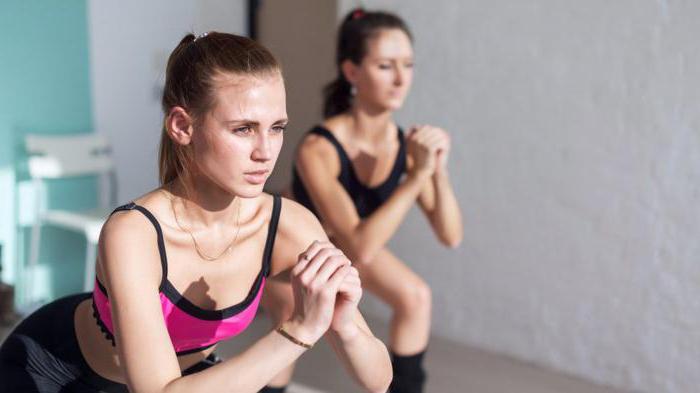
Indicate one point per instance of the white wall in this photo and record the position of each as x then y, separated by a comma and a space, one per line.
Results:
576, 158
300, 34
129, 45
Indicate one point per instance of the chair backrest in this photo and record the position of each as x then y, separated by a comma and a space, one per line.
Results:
57, 156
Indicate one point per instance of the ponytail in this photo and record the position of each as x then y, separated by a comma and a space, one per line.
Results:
337, 97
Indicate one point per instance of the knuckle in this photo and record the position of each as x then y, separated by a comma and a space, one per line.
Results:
337, 258
314, 286
322, 255
324, 294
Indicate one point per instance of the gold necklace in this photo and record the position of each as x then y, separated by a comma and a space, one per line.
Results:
194, 240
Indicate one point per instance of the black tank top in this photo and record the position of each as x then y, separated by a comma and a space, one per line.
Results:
366, 199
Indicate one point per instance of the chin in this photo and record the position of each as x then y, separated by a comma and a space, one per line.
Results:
249, 190
390, 107
393, 104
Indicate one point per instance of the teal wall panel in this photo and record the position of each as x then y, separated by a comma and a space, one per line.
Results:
45, 89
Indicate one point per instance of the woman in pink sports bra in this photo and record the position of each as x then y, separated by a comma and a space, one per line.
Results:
184, 267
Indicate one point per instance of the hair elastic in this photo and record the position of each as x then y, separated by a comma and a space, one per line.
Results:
200, 36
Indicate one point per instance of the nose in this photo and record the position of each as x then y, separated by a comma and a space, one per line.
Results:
262, 150
399, 76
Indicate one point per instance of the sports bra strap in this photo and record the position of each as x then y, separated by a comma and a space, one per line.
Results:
342, 154
271, 234
159, 233
269, 243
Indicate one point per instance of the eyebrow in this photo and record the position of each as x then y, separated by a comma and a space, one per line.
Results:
254, 122
393, 58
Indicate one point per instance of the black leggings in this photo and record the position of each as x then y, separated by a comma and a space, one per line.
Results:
42, 355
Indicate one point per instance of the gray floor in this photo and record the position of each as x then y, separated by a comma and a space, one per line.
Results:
452, 368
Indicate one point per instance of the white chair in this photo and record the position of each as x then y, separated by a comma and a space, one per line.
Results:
65, 156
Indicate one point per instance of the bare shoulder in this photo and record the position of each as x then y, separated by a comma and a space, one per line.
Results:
128, 246
297, 229
127, 226
130, 224
316, 147
297, 221
316, 158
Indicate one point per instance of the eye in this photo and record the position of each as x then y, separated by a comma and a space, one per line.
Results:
242, 130
279, 129
384, 66
408, 65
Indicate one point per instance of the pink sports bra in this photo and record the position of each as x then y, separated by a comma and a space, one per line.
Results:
190, 327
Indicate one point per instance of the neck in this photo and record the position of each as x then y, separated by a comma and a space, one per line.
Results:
203, 204
370, 124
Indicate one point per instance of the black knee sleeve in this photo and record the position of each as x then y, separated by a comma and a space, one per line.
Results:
409, 375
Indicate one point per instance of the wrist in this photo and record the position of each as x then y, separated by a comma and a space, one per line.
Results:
420, 174
441, 175
347, 333
300, 331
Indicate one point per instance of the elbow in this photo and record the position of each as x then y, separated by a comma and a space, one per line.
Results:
386, 383
381, 384
448, 235
383, 381
450, 240
383, 389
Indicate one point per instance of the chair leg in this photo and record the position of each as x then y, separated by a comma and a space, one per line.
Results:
90, 260
29, 276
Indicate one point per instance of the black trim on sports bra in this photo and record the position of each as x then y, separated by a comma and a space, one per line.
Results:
182, 302
159, 232
366, 199
271, 234
345, 162
96, 314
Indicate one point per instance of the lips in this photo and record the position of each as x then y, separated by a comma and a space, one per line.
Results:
256, 177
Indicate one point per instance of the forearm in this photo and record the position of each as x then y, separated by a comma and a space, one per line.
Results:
446, 217
365, 357
248, 372
373, 232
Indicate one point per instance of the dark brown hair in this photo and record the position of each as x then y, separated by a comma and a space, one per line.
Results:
190, 81
357, 28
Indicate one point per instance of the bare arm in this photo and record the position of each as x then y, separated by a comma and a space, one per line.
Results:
354, 350
439, 204
132, 276
361, 239
363, 355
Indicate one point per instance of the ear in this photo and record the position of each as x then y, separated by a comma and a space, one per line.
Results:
349, 70
179, 125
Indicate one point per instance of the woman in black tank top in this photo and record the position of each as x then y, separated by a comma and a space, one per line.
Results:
360, 175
